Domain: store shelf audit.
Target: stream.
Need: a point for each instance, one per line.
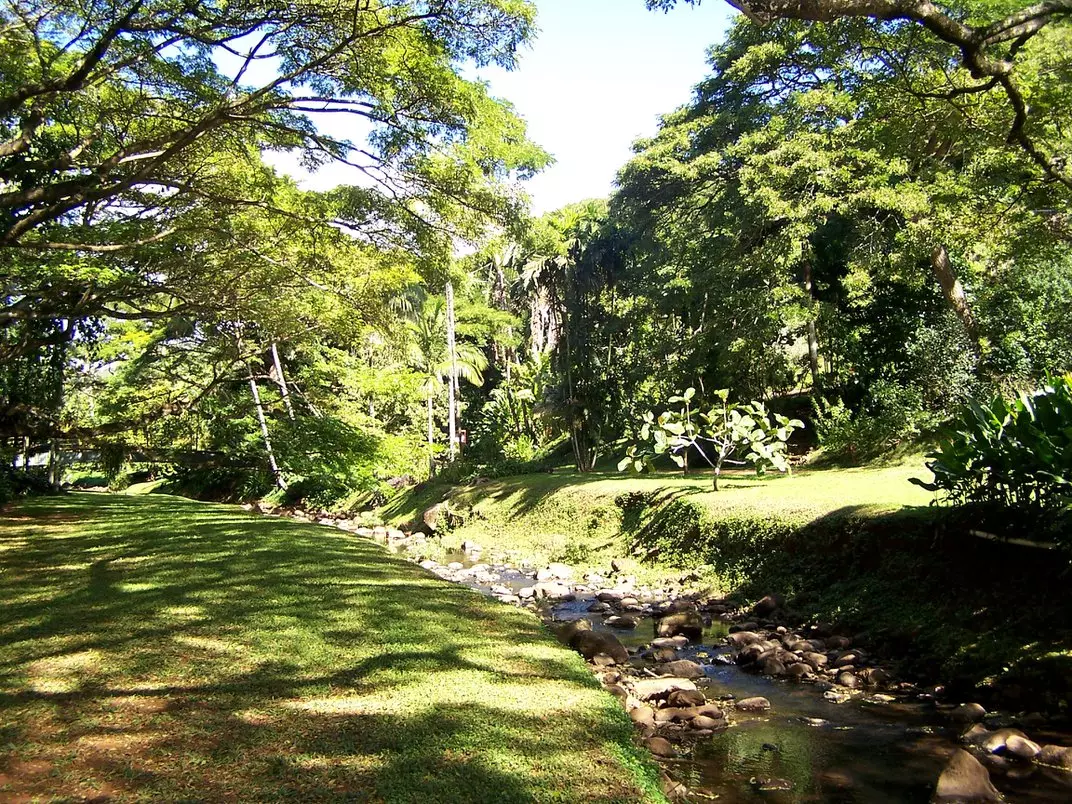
(847, 746)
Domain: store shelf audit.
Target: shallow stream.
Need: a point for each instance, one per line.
(866, 749)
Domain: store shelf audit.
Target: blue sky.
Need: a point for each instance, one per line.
(596, 78)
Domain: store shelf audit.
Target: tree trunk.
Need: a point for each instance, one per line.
(431, 436)
(278, 475)
(813, 341)
(281, 381)
(54, 464)
(954, 293)
(452, 386)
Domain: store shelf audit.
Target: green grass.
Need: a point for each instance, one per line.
(575, 518)
(158, 648)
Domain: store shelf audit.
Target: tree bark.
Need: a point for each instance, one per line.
(281, 381)
(813, 340)
(431, 436)
(954, 293)
(452, 387)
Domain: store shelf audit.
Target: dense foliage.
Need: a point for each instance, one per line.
(850, 223)
(1015, 454)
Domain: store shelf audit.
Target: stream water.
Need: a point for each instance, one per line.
(866, 749)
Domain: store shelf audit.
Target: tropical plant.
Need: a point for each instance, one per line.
(1015, 453)
(717, 435)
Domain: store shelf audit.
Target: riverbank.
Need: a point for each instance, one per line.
(858, 550)
(156, 647)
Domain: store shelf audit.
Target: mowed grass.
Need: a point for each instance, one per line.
(159, 648)
(573, 517)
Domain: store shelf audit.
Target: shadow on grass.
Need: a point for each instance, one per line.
(178, 650)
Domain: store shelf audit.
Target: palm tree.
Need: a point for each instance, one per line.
(429, 355)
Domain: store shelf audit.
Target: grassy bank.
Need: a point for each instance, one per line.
(158, 648)
(859, 548)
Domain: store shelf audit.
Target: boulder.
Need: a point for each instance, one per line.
(642, 715)
(688, 624)
(742, 639)
(552, 590)
(768, 605)
(686, 698)
(567, 631)
(649, 689)
(967, 713)
(592, 645)
(837, 643)
(433, 516)
(682, 668)
(1021, 747)
(756, 704)
(772, 666)
(965, 779)
(660, 747)
(1058, 756)
(817, 661)
(705, 722)
(798, 670)
(670, 642)
(627, 623)
(847, 679)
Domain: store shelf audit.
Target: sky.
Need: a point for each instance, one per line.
(596, 78)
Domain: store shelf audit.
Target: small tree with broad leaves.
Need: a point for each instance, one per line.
(718, 435)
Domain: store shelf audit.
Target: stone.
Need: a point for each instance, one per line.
(837, 643)
(994, 742)
(627, 623)
(428, 564)
(847, 679)
(768, 605)
(671, 714)
(686, 698)
(552, 590)
(567, 631)
(660, 747)
(432, 516)
(705, 722)
(757, 704)
(682, 668)
(527, 592)
(609, 596)
(688, 624)
(817, 661)
(968, 713)
(642, 715)
(1057, 756)
(875, 677)
(455, 566)
(1021, 747)
(852, 657)
(798, 670)
(772, 666)
(592, 644)
(965, 779)
(598, 608)
(648, 689)
(742, 639)
(670, 642)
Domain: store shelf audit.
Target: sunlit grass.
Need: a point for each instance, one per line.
(159, 648)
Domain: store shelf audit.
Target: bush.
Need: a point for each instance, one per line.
(891, 415)
(1012, 454)
(19, 483)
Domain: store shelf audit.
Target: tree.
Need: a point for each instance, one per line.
(987, 42)
(430, 355)
(716, 435)
(130, 132)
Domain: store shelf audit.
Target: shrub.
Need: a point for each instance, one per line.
(1013, 454)
(891, 415)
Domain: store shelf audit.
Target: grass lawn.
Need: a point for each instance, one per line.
(154, 647)
(571, 517)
